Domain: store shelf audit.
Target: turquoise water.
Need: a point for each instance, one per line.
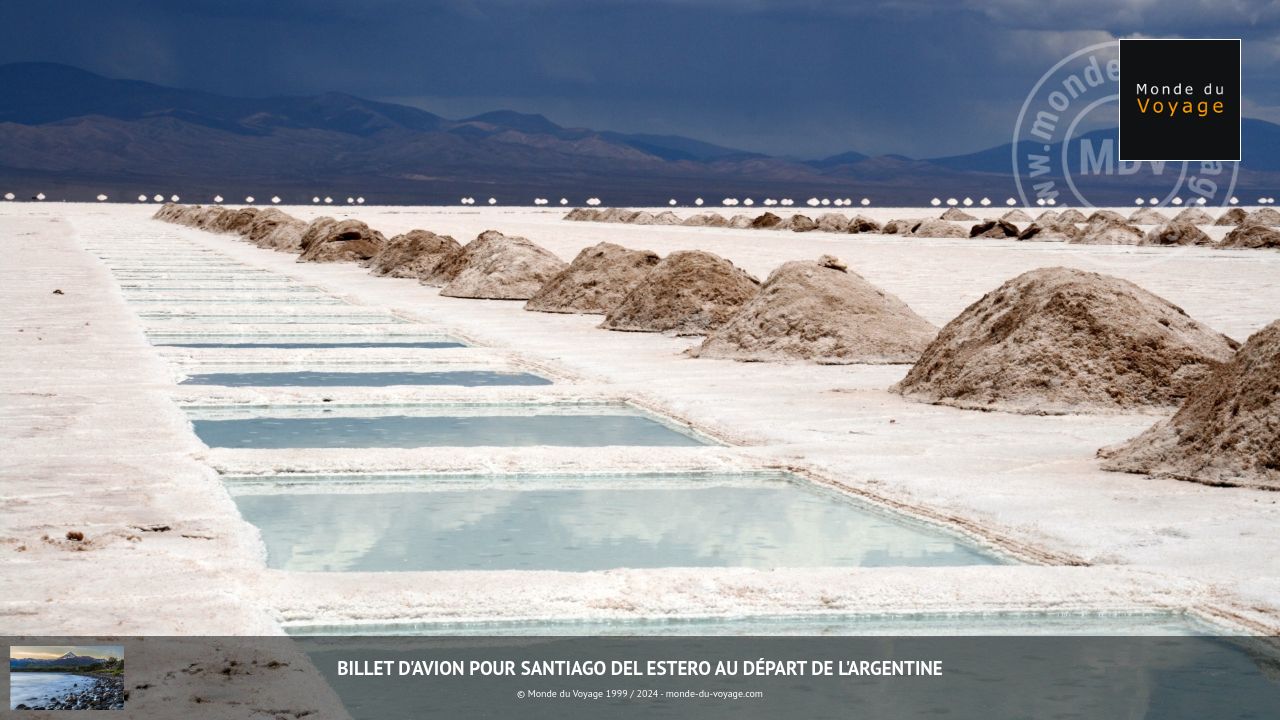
(276, 319)
(292, 341)
(766, 521)
(298, 345)
(464, 378)
(1150, 624)
(463, 430)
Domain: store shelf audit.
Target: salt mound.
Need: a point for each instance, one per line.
(740, 221)
(235, 221)
(414, 254)
(863, 224)
(597, 279)
(641, 218)
(583, 214)
(1071, 216)
(285, 237)
(833, 222)
(1147, 216)
(819, 312)
(765, 220)
(1108, 228)
(1234, 216)
(1176, 232)
(938, 229)
(1262, 216)
(616, 215)
(498, 267)
(688, 292)
(900, 227)
(1103, 234)
(706, 220)
(1016, 216)
(1050, 233)
(994, 229)
(208, 219)
(168, 211)
(341, 241)
(957, 214)
(1060, 340)
(666, 217)
(1226, 432)
(1195, 216)
(1048, 218)
(1252, 236)
(264, 223)
(798, 223)
(1111, 217)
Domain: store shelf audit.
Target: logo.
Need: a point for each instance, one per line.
(1066, 145)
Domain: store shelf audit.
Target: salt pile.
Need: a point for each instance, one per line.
(1262, 216)
(1195, 216)
(765, 221)
(706, 220)
(689, 292)
(798, 223)
(833, 222)
(1060, 340)
(597, 280)
(1108, 228)
(863, 224)
(1176, 232)
(616, 215)
(414, 254)
(994, 229)
(899, 227)
(500, 267)
(740, 221)
(1226, 432)
(820, 312)
(1049, 227)
(1252, 236)
(1234, 216)
(1071, 216)
(1147, 216)
(932, 228)
(339, 241)
(1016, 216)
(957, 214)
(582, 214)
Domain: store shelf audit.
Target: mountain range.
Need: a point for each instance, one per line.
(69, 660)
(72, 134)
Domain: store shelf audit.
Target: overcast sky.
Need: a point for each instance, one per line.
(805, 77)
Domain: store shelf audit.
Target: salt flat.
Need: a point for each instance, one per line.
(97, 443)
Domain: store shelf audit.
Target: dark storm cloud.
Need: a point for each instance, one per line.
(806, 77)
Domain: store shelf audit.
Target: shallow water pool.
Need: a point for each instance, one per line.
(1147, 624)
(340, 524)
(319, 378)
(301, 341)
(590, 425)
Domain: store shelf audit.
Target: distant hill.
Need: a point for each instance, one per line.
(69, 660)
(73, 134)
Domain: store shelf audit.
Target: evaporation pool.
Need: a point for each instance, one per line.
(288, 341)
(383, 378)
(1146, 624)
(584, 523)
(409, 426)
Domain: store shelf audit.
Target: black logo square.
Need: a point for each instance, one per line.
(1179, 100)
